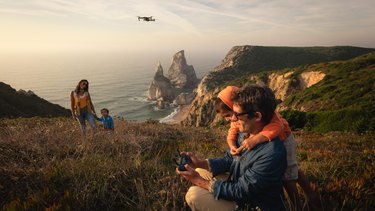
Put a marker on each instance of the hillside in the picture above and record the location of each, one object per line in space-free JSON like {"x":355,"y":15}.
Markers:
{"x":242,"y":62}
{"x":45,"y":163}
{"x":26,"y":104}
{"x":325,"y":96}
{"x":347,"y":84}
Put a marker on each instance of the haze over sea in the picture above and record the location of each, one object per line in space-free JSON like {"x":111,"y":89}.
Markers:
{"x":118,"y":80}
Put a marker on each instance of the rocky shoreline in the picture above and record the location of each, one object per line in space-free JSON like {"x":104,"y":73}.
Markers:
{"x":178,"y":116}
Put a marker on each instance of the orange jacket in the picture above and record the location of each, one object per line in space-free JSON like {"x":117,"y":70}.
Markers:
{"x":277,"y":127}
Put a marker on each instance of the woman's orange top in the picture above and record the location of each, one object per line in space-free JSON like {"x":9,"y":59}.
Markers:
{"x":81,"y":101}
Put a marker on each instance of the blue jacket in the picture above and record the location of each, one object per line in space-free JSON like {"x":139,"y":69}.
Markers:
{"x":107,"y":122}
{"x":255,"y":175}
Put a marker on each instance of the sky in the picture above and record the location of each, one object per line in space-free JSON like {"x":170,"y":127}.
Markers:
{"x":197,"y":25}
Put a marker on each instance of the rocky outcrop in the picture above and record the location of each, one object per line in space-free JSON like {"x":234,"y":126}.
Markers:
{"x":310,"y":78}
{"x":280,"y":84}
{"x":26,"y":104}
{"x":160,"y":88}
{"x":246,"y":60}
{"x":180,"y":73}
{"x":184,"y":98}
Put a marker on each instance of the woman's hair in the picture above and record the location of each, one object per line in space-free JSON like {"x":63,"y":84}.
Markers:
{"x":78,"y":87}
{"x":221,"y":106}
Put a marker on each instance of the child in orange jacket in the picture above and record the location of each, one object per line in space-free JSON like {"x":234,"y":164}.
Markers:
{"x":277,"y":127}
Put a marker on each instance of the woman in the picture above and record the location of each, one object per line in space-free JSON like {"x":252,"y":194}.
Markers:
{"x":82,"y":107}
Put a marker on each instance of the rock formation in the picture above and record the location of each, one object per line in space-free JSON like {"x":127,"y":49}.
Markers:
{"x":180,"y":73}
{"x":160,"y":88}
{"x":184,"y":98}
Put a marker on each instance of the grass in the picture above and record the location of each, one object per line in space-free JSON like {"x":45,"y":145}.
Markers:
{"x":45,"y":163}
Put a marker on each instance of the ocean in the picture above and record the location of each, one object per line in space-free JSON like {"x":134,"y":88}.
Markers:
{"x":117,"y":81}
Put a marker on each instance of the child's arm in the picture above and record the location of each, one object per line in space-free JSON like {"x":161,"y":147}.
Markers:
{"x":232,"y":137}
{"x":252,"y":141}
{"x":272,"y":130}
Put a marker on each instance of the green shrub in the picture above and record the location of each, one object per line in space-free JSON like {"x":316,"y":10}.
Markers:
{"x":354,"y":120}
{"x":295,"y":118}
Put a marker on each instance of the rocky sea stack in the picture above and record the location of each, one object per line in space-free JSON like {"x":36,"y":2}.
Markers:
{"x":160,"y":88}
{"x":177,"y":88}
{"x":180,"y":73}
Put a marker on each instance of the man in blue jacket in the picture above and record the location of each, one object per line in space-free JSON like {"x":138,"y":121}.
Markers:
{"x":254,"y":176}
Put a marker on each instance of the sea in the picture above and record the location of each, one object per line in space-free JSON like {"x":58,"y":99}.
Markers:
{"x":117,"y":80}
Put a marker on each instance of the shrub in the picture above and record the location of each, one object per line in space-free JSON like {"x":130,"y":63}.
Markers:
{"x":354,"y":120}
{"x":295,"y":118}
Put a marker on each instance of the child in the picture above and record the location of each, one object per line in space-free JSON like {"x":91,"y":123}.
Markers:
{"x":106,"y":119}
{"x":277,"y":127}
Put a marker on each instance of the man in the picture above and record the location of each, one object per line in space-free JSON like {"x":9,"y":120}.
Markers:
{"x":255,"y":175}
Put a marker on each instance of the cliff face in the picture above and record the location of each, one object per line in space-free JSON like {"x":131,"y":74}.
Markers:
{"x":160,"y":88}
{"x":250,"y":60}
{"x":180,"y":73}
{"x":26,"y":104}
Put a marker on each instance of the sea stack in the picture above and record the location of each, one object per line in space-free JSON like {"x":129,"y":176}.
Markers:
{"x":180,"y":74}
{"x":160,"y":88}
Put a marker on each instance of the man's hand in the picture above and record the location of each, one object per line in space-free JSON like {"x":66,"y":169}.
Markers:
{"x":193,"y":176}
{"x":196,"y":162}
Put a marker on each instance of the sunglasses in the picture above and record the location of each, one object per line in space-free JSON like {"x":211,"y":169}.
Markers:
{"x":236,"y":115}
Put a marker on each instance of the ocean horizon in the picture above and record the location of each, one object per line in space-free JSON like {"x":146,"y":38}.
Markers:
{"x":117,"y":81}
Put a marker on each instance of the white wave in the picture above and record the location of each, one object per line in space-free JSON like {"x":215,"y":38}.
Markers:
{"x":140,"y":99}
{"x":170,"y":116}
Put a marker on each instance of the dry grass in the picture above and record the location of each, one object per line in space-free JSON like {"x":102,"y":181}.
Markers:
{"x":46,"y":163}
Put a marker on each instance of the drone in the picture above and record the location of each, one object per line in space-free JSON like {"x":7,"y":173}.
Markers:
{"x":146,"y":18}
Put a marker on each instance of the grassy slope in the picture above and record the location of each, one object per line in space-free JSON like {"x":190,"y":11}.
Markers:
{"x":343,"y":101}
{"x":348,"y":84}
{"x":46,"y":163}
{"x":266,"y":58}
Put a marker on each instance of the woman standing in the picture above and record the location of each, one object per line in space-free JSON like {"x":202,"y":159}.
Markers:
{"x":82,"y":107}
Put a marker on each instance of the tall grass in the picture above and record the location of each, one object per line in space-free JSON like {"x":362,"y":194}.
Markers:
{"x":45,"y":163}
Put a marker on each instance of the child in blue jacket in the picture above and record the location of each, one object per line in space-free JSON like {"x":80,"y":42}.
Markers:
{"x":106,"y":119}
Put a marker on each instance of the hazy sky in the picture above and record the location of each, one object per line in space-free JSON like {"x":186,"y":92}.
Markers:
{"x":196,"y":25}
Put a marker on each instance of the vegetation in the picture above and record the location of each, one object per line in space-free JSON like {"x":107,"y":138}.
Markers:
{"x":254,"y":59}
{"x":354,"y":120}
{"x":45,"y":163}
{"x":348,"y":84}
{"x":343,"y":101}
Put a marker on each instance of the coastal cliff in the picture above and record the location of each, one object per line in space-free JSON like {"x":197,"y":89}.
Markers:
{"x":286,"y":70}
{"x":22,"y":103}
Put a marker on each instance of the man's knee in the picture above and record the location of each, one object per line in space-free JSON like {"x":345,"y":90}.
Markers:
{"x":192,"y":195}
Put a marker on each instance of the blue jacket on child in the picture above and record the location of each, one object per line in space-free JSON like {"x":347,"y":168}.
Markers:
{"x":107,"y":122}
